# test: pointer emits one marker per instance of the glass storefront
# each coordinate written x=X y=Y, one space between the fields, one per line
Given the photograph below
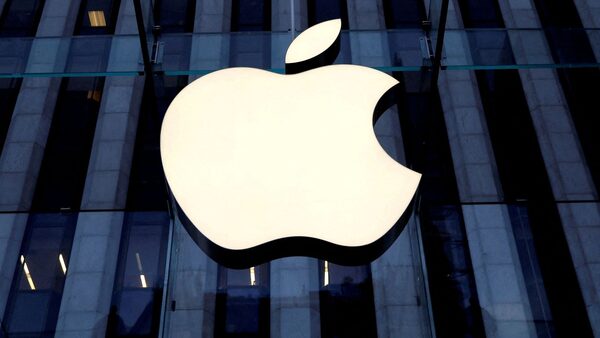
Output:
x=502 y=241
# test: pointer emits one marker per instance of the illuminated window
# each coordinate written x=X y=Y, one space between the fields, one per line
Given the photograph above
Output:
x=97 y=18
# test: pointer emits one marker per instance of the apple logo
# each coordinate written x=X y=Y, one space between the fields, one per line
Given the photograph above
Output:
x=264 y=165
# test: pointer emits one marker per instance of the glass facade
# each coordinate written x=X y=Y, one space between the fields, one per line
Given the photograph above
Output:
x=502 y=242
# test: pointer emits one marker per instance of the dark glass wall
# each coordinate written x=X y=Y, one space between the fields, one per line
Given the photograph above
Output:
x=147 y=186
x=546 y=262
x=250 y=15
x=569 y=43
x=242 y=306
x=138 y=289
x=67 y=153
x=38 y=282
x=453 y=292
x=39 y=279
x=514 y=143
x=175 y=16
x=346 y=303
x=20 y=17
x=323 y=10
x=9 y=91
x=404 y=14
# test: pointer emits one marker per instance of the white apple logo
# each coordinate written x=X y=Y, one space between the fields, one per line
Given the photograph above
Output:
x=264 y=165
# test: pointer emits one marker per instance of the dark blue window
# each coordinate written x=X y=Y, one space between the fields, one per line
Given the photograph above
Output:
x=481 y=14
x=569 y=43
x=404 y=14
x=39 y=279
x=138 y=290
x=67 y=153
x=147 y=186
x=251 y=15
x=323 y=10
x=514 y=143
x=20 y=17
x=9 y=90
x=346 y=302
x=453 y=291
x=242 y=306
x=175 y=16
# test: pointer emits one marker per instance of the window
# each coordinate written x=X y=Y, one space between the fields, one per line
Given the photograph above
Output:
x=97 y=17
x=9 y=90
x=569 y=43
x=137 y=294
x=243 y=302
x=481 y=14
x=36 y=294
x=251 y=15
x=404 y=14
x=323 y=10
x=175 y=16
x=346 y=301
x=64 y=167
x=147 y=185
x=20 y=17
x=454 y=299
x=524 y=180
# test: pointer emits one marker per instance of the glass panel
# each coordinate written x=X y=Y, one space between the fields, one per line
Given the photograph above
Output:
x=250 y=15
x=242 y=303
x=454 y=298
x=323 y=10
x=20 y=17
x=197 y=54
x=36 y=293
x=138 y=291
x=404 y=14
x=175 y=16
x=569 y=43
x=514 y=142
x=491 y=49
x=346 y=301
x=64 y=167
x=9 y=90
x=70 y=56
x=147 y=186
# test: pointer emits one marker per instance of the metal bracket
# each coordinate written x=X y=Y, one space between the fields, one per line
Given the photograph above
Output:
x=426 y=51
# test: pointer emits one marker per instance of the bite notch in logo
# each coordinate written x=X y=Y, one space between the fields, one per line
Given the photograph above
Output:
x=265 y=165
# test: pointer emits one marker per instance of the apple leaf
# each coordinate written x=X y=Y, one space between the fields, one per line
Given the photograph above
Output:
x=315 y=42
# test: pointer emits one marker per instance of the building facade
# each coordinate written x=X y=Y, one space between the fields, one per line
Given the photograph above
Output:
x=504 y=240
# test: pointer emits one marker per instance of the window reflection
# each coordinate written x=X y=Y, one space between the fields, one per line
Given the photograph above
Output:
x=175 y=16
x=243 y=303
x=9 y=90
x=64 y=166
x=36 y=294
x=454 y=299
x=514 y=143
x=137 y=295
x=323 y=10
x=20 y=17
x=250 y=15
x=147 y=186
x=569 y=43
x=404 y=14
x=346 y=301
